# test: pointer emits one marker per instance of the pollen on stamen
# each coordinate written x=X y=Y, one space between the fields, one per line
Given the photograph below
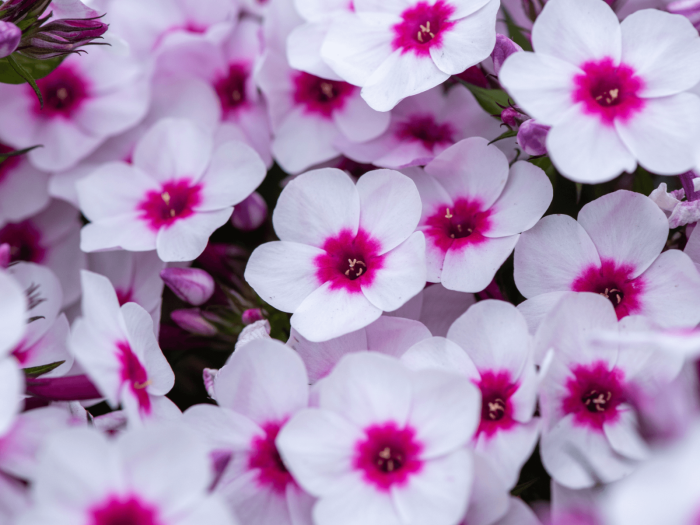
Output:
x=141 y=386
x=448 y=215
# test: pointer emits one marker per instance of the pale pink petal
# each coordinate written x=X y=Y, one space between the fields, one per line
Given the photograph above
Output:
x=358 y=122
x=185 y=239
x=439 y=353
x=11 y=390
x=624 y=436
x=304 y=46
x=471 y=267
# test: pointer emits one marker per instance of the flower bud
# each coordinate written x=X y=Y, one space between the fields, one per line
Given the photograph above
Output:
x=16 y=11
x=191 y=319
x=250 y=214
x=192 y=285
x=251 y=315
x=512 y=117
x=5 y=255
x=531 y=137
x=10 y=36
x=504 y=48
x=61 y=37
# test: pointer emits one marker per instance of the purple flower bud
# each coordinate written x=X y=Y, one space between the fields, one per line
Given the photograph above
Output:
x=252 y=315
x=61 y=37
x=191 y=319
x=531 y=137
x=512 y=117
x=504 y=48
x=5 y=255
x=192 y=285
x=250 y=214
x=10 y=35
x=688 y=8
x=17 y=10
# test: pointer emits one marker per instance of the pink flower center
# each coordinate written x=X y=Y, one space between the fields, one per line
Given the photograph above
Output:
x=496 y=410
x=319 y=95
x=458 y=225
x=64 y=92
x=121 y=510
x=388 y=455
x=265 y=457
x=7 y=165
x=594 y=393
x=134 y=375
x=350 y=261
x=608 y=91
x=175 y=200
x=614 y=282
x=232 y=87
x=422 y=27
x=124 y=296
x=425 y=129
x=24 y=240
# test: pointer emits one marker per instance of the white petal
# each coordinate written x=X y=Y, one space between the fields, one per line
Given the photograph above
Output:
x=439 y=353
x=13 y=308
x=11 y=392
x=624 y=437
x=358 y=122
x=186 y=239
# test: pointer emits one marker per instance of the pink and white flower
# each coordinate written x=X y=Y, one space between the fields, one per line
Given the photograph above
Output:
x=386 y=444
x=13 y=308
x=262 y=386
x=422 y=127
x=474 y=210
x=23 y=188
x=491 y=346
x=155 y=475
x=347 y=252
x=401 y=49
x=615 y=250
x=589 y=392
x=118 y=349
x=613 y=97
x=86 y=100
x=178 y=190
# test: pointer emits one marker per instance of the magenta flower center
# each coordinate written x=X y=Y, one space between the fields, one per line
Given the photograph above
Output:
x=64 y=92
x=134 y=375
x=458 y=225
x=265 y=457
x=119 y=510
x=615 y=283
x=319 y=95
x=350 y=261
x=594 y=393
x=608 y=91
x=496 y=410
x=232 y=87
x=175 y=200
x=425 y=129
x=24 y=240
x=422 y=27
x=388 y=455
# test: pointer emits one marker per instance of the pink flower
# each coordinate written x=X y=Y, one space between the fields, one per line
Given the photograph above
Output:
x=262 y=386
x=13 y=322
x=86 y=100
x=180 y=190
x=158 y=475
x=422 y=127
x=611 y=95
x=589 y=392
x=474 y=209
x=402 y=49
x=491 y=346
x=117 y=348
x=614 y=249
x=347 y=252
x=392 y=441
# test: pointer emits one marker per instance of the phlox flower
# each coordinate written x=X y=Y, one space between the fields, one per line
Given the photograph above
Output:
x=489 y=497
x=613 y=96
x=490 y=344
x=347 y=252
x=422 y=127
x=23 y=188
x=386 y=445
x=158 y=475
x=614 y=249
x=262 y=386
x=679 y=212
x=398 y=49
x=178 y=190
x=474 y=209
x=590 y=393
x=87 y=99
x=117 y=348
x=50 y=238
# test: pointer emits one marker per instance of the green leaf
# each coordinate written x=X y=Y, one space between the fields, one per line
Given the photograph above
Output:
x=37 y=371
x=27 y=76
x=489 y=99
x=5 y=156
x=36 y=68
x=519 y=489
x=505 y=135
x=515 y=32
x=643 y=183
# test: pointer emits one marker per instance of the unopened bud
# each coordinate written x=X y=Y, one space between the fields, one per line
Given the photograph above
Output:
x=191 y=319
x=512 y=117
x=251 y=315
x=250 y=214
x=5 y=255
x=532 y=136
x=192 y=285
x=504 y=48
x=10 y=35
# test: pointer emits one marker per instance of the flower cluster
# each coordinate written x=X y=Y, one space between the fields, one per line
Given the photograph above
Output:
x=350 y=262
